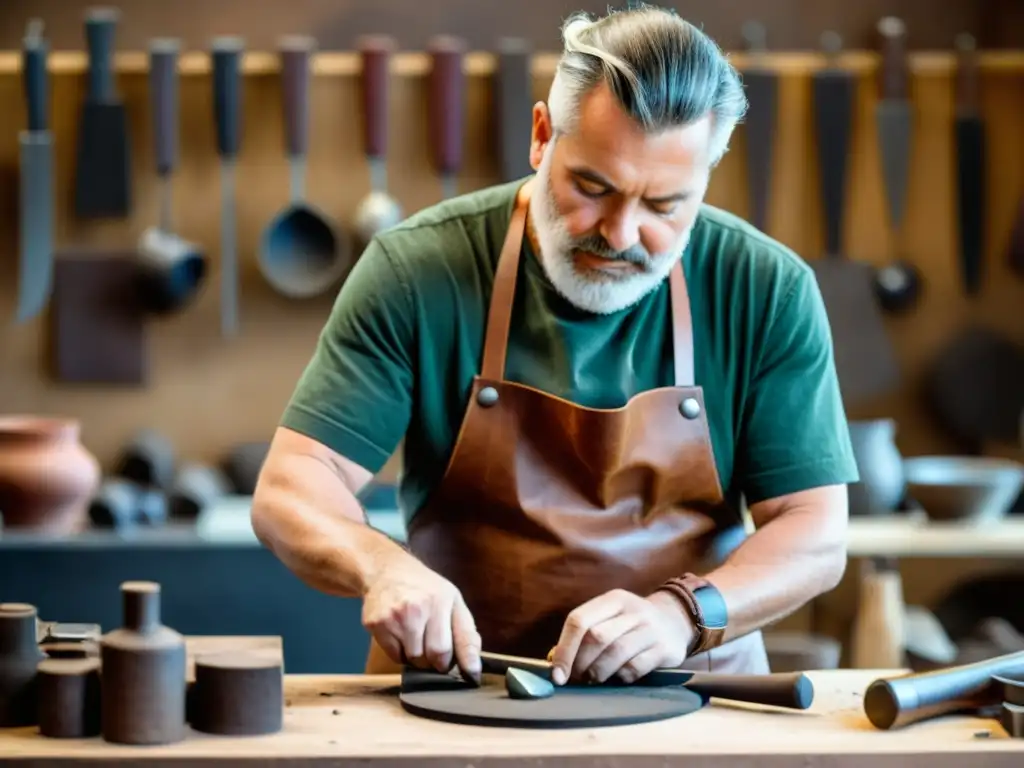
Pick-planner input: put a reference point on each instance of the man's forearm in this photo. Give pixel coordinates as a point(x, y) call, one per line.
point(315, 525)
point(791, 559)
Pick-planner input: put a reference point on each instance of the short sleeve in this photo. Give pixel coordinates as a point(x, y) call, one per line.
point(794, 434)
point(354, 396)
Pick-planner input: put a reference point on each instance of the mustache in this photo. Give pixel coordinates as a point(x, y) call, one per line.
point(598, 246)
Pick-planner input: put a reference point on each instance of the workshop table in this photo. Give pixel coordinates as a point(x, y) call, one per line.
point(357, 720)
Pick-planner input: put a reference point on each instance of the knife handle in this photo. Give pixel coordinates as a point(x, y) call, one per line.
point(163, 94)
point(375, 80)
point(792, 690)
point(513, 93)
point(895, 75)
point(34, 53)
point(295, 52)
point(227, 93)
point(447, 91)
point(100, 27)
point(967, 95)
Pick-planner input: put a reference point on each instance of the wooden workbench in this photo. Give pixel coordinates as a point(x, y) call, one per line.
point(357, 720)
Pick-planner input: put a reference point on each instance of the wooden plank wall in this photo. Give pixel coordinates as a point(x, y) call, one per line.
point(208, 393)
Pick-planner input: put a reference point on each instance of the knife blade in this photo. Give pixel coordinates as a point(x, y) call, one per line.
point(35, 268)
point(970, 164)
point(894, 117)
point(762, 85)
point(790, 690)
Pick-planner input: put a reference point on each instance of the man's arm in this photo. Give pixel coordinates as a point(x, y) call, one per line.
point(793, 461)
point(306, 512)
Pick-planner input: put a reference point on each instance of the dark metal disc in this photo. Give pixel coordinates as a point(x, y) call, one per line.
point(441, 697)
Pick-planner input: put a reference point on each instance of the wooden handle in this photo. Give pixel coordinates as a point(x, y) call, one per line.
point(513, 96)
point(895, 74)
point(375, 52)
point(227, 93)
point(34, 52)
point(295, 52)
point(967, 97)
point(163, 97)
point(447, 102)
point(792, 690)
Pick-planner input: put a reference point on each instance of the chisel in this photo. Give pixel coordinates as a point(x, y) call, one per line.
point(103, 181)
point(762, 87)
point(970, 165)
point(894, 117)
point(35, 272)
point(227, 108)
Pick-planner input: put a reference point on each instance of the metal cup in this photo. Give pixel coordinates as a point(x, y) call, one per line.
point(171, 270)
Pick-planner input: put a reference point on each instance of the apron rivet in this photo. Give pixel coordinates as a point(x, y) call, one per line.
point(690, 408)
point(487, 397)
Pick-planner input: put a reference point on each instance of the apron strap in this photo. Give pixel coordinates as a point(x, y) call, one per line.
point(499, 314)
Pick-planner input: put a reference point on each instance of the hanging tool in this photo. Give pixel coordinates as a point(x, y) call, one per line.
point(300, 253)
point(35, 270)
point(103, 181)
point(447, 106)
point(762, 86)
point(171, 268)
point(970, 164)
point(865, 360)
point(513, 99)
point(378, 210)
point(227, 107)
point(897, 284)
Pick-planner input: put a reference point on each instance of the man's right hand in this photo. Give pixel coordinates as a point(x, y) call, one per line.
point(418, 616)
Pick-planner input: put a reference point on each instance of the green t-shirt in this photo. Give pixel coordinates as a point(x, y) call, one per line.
point(397, 357)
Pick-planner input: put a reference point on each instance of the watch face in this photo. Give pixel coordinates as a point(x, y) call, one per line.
point(712, 607)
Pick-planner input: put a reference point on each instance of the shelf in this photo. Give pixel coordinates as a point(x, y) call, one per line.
point(482, 64)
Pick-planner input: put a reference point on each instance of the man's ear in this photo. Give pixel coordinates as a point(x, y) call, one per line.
point(540, 134)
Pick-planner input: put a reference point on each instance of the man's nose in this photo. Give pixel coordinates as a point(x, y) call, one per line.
point(621, 228)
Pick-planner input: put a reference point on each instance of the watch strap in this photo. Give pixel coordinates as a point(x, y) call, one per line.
point(705, 606)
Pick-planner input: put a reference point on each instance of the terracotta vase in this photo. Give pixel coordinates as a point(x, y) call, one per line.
point(46, 476)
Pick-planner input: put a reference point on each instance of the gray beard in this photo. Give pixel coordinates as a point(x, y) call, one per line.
point(590, 290)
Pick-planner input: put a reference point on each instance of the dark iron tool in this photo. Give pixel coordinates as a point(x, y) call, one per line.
point(762, 86)
point(970, 165)
point(103, 181)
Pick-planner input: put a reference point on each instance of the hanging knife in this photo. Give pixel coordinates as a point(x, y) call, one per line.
point(894, 117)
point(227, 101)
point(791, 690)
point(970, 164)
point(35, 271)
point(762, 85)
point(513, 97)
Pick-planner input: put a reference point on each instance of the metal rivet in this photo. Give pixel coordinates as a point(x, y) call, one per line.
point(690, 408)
point(487, 397)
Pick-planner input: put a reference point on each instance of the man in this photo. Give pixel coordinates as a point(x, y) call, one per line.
point(589, 370)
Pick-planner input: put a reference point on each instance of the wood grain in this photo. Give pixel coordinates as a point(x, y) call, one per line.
point(329, 720)
point(208, 393)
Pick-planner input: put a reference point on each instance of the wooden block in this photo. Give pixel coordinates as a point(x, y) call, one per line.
point(98, 329)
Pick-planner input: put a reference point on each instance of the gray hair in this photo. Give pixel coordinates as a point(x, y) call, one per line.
point(663, 71)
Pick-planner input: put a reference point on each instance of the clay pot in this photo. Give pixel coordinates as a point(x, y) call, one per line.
point(46, 476)
point(882, 483)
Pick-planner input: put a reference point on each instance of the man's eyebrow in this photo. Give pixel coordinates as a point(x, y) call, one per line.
point(596, 178)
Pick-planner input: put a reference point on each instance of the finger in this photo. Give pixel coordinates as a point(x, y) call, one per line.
point(410, 630)
point(626, 648)
point(466, 641)
point(437, 638)
point(640, 665)
point(598, 640)
point(390, 644)
point(577, 624)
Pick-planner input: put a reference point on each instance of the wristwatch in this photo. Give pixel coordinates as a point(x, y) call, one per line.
point(706, 607)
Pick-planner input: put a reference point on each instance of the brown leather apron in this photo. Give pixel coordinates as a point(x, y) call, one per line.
point(546, 504)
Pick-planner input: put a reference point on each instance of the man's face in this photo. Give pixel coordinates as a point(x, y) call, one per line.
point(613, 207)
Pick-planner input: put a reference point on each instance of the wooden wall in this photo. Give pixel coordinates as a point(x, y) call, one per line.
point(208, 393)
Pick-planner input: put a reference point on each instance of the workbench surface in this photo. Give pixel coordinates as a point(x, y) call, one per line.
point(356, 719)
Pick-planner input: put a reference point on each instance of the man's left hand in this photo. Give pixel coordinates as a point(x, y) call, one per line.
point(622, 634)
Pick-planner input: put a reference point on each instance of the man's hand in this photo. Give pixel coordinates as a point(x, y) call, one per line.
point(418, 616)
point(620, 633)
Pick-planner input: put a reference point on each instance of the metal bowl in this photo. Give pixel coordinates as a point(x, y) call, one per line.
point(964, 488)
